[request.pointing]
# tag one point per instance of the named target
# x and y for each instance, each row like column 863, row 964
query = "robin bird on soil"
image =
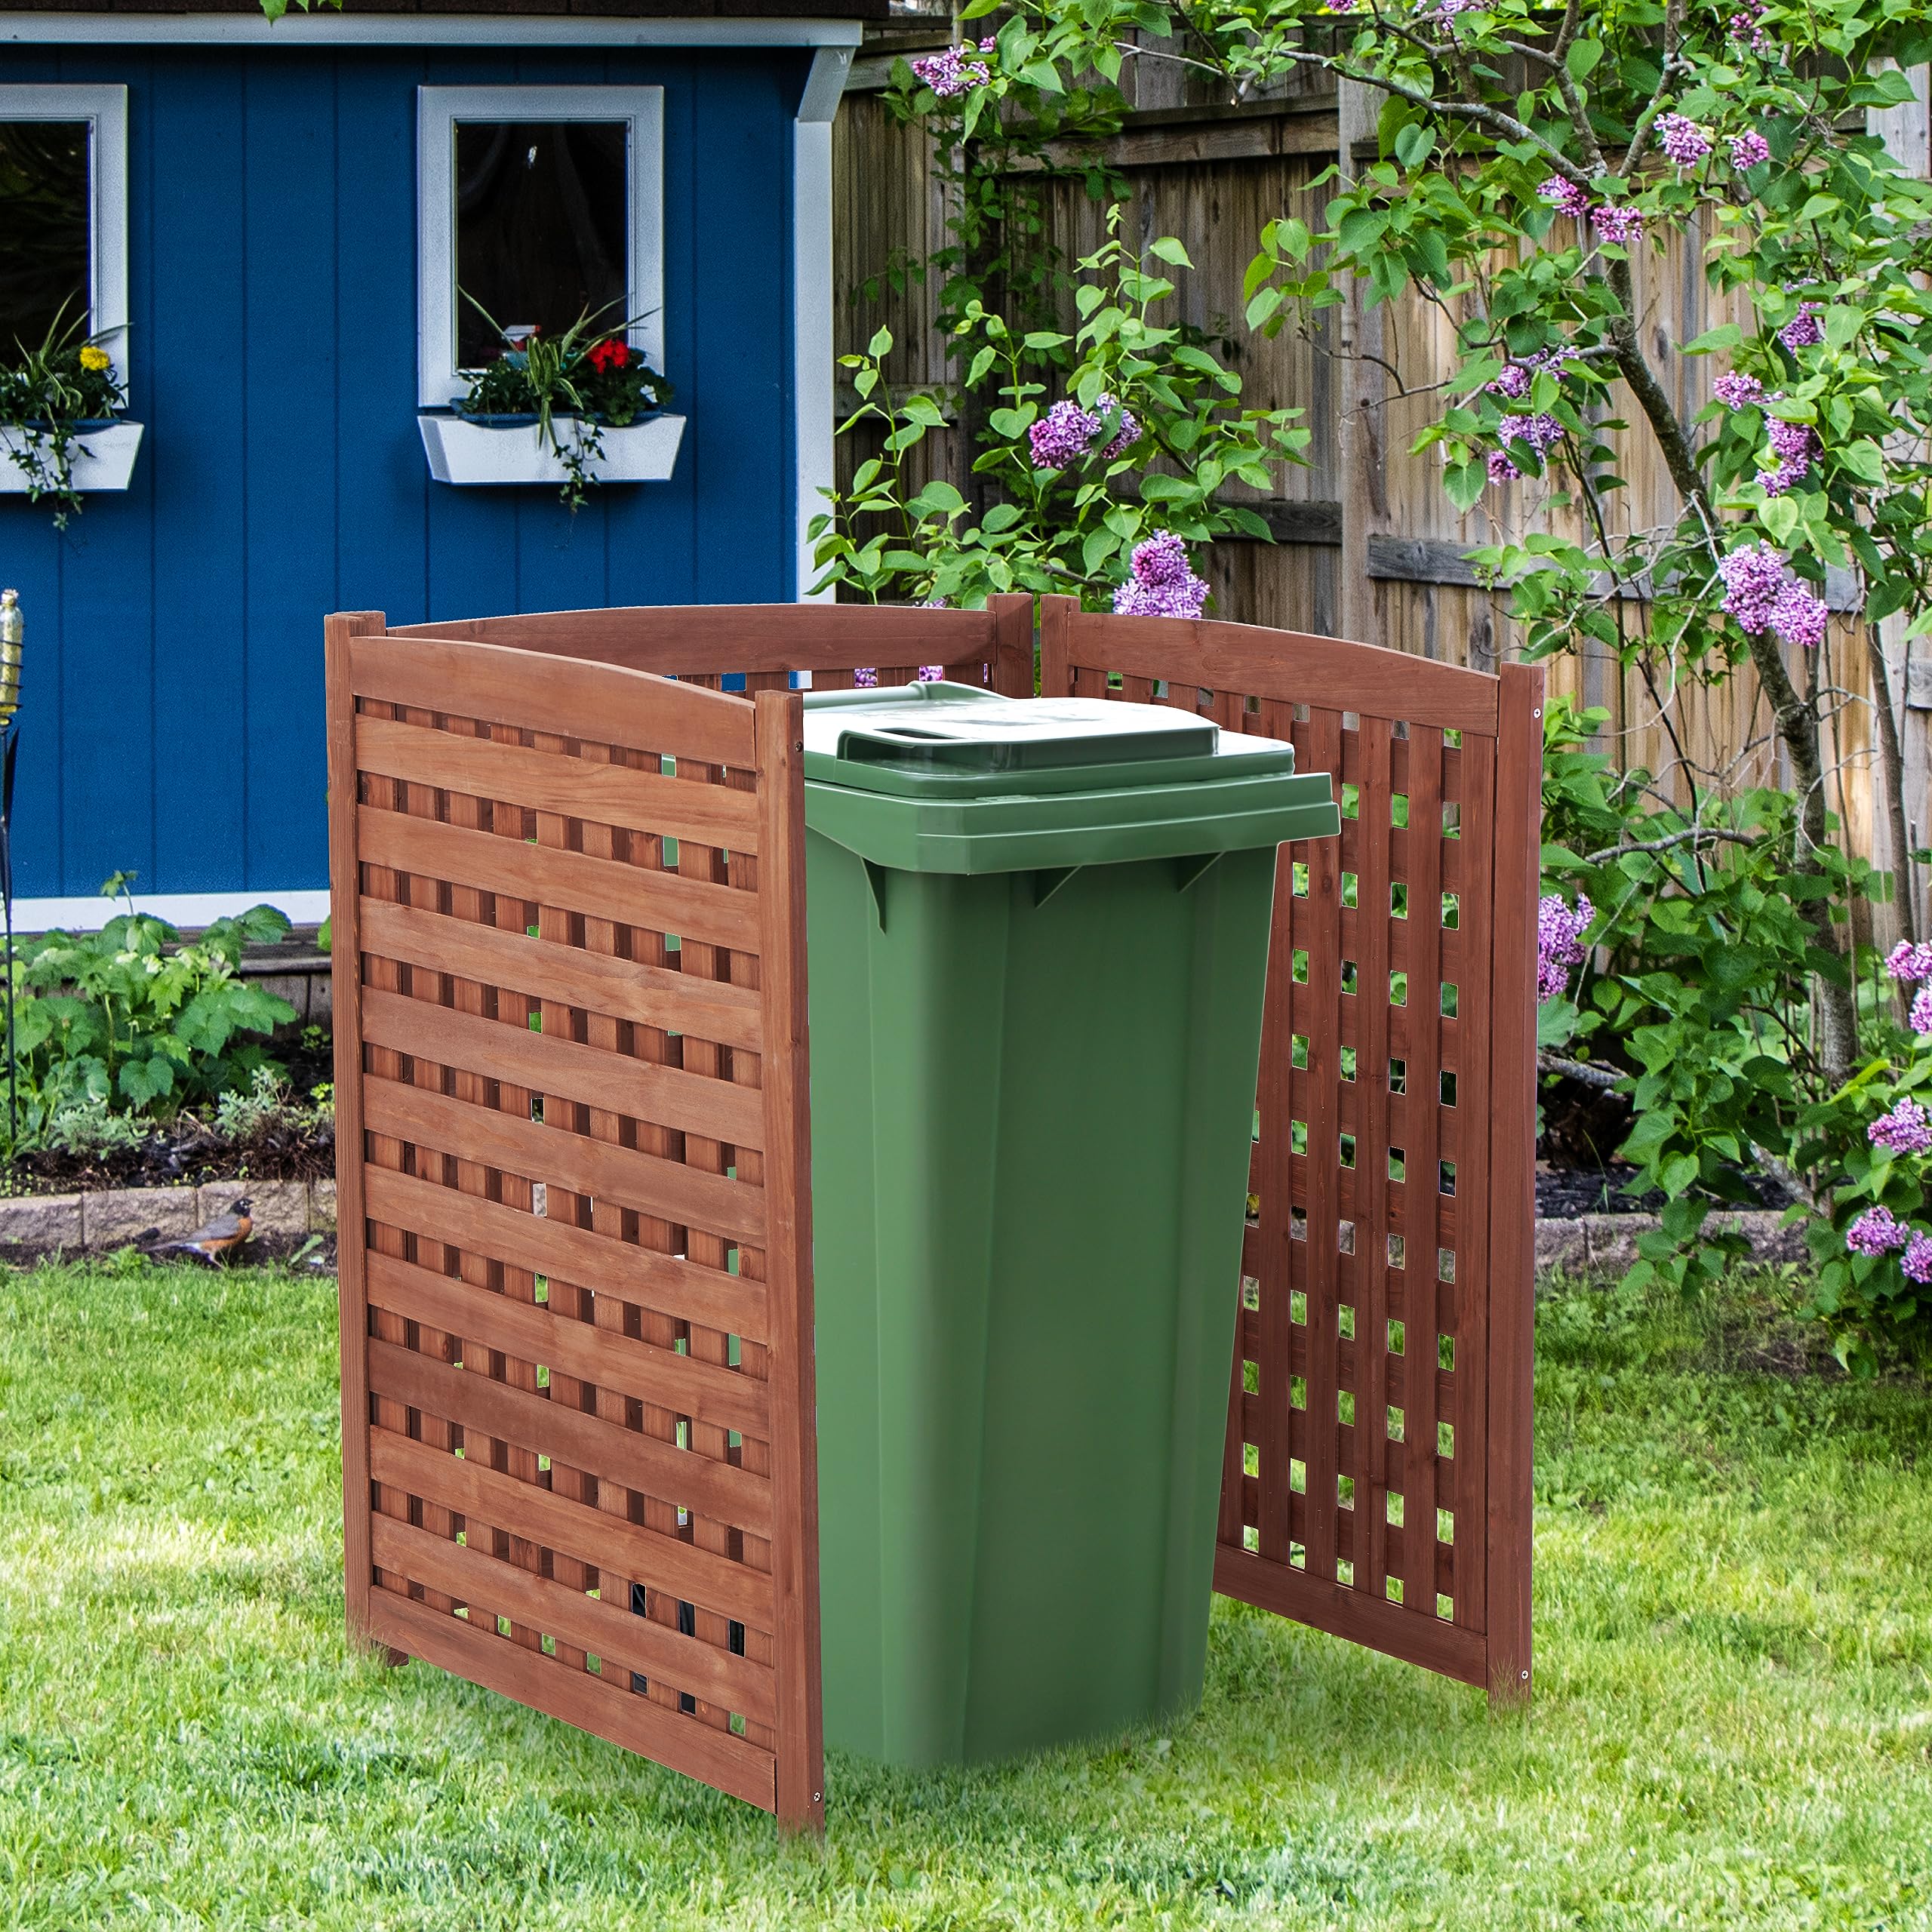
column 216, row 1240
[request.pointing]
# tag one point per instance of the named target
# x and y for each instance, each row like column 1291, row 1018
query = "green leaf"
column 1583, row 57
column 1726, row 335
column 881, row 344
column 1779, row 517
column 1167, row 249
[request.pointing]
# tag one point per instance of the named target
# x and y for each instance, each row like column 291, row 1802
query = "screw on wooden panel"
column 1525, row 1674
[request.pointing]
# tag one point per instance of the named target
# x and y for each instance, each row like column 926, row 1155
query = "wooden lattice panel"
column 1376, row 1483
column 576, row 1289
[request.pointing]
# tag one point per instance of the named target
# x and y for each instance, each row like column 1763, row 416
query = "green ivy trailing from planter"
column 576, row 385
column 45, row 397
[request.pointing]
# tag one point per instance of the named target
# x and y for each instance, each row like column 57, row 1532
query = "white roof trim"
column 304, row 906
column 352, row 29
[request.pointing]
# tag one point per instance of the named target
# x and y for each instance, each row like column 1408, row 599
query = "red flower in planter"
column 609, row 354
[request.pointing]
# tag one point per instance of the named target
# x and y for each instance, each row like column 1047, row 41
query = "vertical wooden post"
column 1056, row 659
column 1364, row 390
column 788, row 1189
column 1013, row 643
column 1512, row 1176
column 346, row 980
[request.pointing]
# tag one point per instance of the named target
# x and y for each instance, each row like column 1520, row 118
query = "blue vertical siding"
column 173, row 720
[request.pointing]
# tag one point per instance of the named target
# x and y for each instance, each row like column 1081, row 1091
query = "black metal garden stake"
column 12, row 632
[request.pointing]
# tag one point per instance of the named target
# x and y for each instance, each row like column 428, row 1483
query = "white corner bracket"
column 812, row 302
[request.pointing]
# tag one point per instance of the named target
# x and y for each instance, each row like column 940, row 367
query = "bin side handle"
column 875, row 879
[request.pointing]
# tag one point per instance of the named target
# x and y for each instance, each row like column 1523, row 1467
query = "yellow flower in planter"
column 94, row 358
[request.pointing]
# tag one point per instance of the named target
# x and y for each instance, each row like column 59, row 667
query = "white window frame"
column 438, row 110
column 104, row 106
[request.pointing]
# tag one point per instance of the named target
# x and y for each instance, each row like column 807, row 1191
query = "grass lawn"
column 1732, row 1724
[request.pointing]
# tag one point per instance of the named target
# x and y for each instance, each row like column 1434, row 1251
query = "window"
column 536, row 205
column 63, row 213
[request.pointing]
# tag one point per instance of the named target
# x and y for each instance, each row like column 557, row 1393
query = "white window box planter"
column 103, row 458
column 462, row 451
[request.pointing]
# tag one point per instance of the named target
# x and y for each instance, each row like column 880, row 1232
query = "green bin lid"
column 948, row 778
column 954, row 728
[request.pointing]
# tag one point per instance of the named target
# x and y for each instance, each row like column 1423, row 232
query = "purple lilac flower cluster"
column 1618, row 223
column 1877, row 1231
column 1163, row 584
column 1682, row 139
column 1565, row 197
column 1762, row 594
column 1542, row 432
column 1559, row 930
column 1795, row 446
column 954, row 71
column 1912, row 964
column 1906, row 1129
column 1748, row 150
column 1738, row 391
column 1747, row 27
column 1066, row 433
column 1917, row 1259
column 1804, row 330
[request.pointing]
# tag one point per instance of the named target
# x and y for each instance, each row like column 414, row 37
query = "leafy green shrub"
column 131, row 1020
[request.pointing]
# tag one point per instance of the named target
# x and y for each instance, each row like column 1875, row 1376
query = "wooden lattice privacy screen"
column 573, row 1150
column 1377, row 1480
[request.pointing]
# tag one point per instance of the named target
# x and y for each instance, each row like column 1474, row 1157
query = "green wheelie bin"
column 1039, row 933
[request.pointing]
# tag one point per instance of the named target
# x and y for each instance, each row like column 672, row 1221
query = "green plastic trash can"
column 1039, row 932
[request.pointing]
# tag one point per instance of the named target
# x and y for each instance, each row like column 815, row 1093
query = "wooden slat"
column 572, row 1161
column 522, row 688
column 549, row 1521
column 597, row 1077
column 608, row 1630
column 620, row 987
column 787, row 1260
column 1403, row 1632
column 1285, row 667
column 544, row 1247
column 608, row 1357
column 561, row 878
column 572, row 1436
column 1367, row 937
column 1512, row 1182
column 620, row 794
column 682, row 640
column 1315, row 928
column 607, row 1710
column 1421, row 1222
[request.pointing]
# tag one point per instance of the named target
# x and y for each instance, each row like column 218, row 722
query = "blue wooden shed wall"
column 172, row 724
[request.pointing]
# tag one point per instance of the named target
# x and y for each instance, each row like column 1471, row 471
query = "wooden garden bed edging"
column 99, row 1221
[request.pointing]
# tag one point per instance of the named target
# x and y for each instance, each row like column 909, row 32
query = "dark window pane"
column 44, row 258
column 542, row 232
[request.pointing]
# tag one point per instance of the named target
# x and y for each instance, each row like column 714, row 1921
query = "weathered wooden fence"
column 1366, row 544
column 578, row 1395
